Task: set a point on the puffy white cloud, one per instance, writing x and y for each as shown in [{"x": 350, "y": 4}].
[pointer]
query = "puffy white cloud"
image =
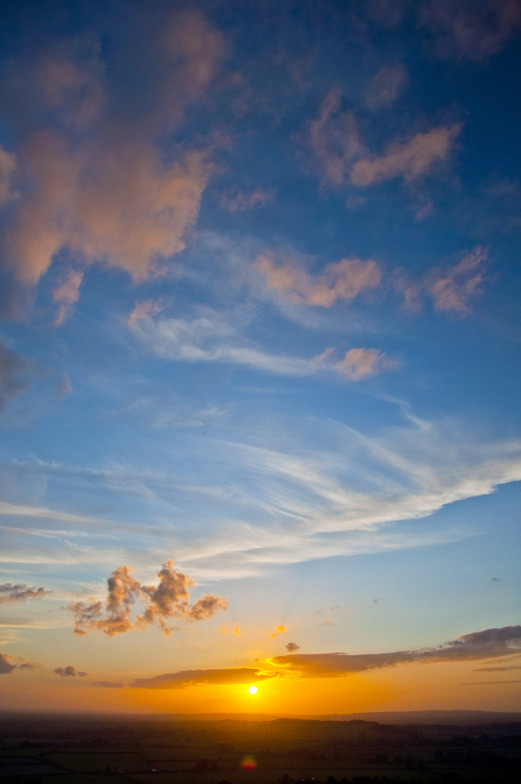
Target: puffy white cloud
[{"x": 170, "y": 598}]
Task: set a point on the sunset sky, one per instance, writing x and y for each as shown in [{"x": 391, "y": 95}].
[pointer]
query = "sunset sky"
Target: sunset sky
[{"x": 260, "y": 355}]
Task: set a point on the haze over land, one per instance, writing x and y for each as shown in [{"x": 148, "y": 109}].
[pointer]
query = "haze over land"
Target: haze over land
[{"x": 259, "y": 356}]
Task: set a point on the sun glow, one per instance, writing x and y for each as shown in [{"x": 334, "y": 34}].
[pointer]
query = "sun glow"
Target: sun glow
[{"x": 253, "y": 690}]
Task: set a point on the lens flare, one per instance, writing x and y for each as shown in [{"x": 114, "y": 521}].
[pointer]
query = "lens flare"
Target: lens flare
[{"x": 248, "y": 763}]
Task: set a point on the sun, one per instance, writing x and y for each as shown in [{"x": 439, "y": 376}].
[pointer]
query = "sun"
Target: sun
[{"x": 253, "y": 690}]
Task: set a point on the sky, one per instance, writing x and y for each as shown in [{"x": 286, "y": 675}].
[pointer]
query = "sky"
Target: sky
[{"x": 259, "y": 356}]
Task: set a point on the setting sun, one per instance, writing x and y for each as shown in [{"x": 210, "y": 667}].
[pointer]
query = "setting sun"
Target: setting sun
[{"x": 253, "y": 690}]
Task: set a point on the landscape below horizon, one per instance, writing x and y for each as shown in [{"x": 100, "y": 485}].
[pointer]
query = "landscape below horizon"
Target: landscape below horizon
[
  {"x": 160, "y": 750},
  {"x": 260, "y": 370}
]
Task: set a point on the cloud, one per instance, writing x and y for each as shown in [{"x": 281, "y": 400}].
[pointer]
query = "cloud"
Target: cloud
[
  {"x": 278, "y": 630},
  {"x": 342, "y": 280},
  {"x": 14, "y": 378},
  {"x": 291, "y": 647},
  {"x": 235, "y": 629},
  {"x": 485, "y": 644},
  {"x": 490, "y": 683},
  {"x": 20, "y": 592},
  {"x": 124, "y": 209},
  {"x": 239, "y": 200},
  {"x": 101, "y": 184},
  {"x": 218, "y": 677},
  {"x": 5, "y": 665},
  {"x": 29, "y": 665},
  {"x": 334, "y": 139},
  {"x": 409, "y": 160},
  {"x": 361, "y": 494},
  {"x": 342, "y": 156},
  {"x": 452, "y": 290},
  {"x": 470, "y": 30},
  {"x": 212, "y": 338},
  {"x": 67, "y": 293},
  {"x": 386, "y": 86},
  {"x": 498, "y": 669},
  {"x": 145, "y": 310},
  {"x": 7, "y": 168},
  {"x": 170, "y": 598},
  {"x": 360, "y": 363},
  {"x": 109, "y": 684},
  {"x": 69, "y": 672}
]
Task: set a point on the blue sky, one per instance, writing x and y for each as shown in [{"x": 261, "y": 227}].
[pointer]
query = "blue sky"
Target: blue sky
[{"x": 260, "y": 317}]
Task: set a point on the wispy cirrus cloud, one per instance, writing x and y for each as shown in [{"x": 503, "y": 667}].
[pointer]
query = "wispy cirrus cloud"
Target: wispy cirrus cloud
[
  {"x": 211, "y": 337},
  {"x": 277, "y": 506}
]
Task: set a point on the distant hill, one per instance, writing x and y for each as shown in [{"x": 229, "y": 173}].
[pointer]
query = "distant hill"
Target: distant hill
[
  {"x": 427, "y": 717},
  {"x": 456, "y": 717}
]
